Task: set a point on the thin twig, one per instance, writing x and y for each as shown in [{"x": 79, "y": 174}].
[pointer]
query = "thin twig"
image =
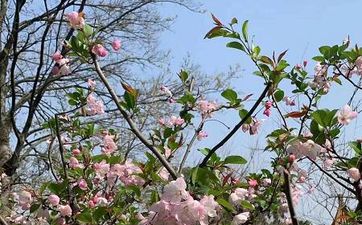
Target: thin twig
[{"x": 130, "y": 122}]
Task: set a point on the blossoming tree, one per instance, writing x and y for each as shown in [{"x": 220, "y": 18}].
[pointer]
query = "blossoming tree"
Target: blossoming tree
[{"x": 94, "y": 183}]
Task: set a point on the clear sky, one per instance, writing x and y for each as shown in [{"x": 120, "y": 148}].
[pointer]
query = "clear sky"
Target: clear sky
[{"x": 299, "y": 26}]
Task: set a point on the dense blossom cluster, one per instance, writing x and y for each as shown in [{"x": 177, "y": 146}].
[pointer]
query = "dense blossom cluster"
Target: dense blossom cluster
[{"x": 178, "y": 207}]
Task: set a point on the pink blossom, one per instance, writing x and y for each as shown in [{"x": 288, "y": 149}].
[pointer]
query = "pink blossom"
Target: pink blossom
[
  {"x": 82, "y": 184},
  {"x": 201, "y": 135},
  {"x": 175, "y": 191},
  {"x": 266, "y": 181},
  {"x": 91, "y": 83},
  {"x": 57, "y": 56},
  {"x": 76, "y": 20},
  {"x": 65, "y": 210},
  {"x": 162, "y": 121},
  {"x": 74, "y": 163},
  {"x": 238, "y": 195},
  {"x": 25, "y": 199},
  {"x": 109, "y": 146},
  {"x": 53, "y": 200},
  {"x": 99, "y": 50},
  {"x": 253, "y": 182},
  {"x": 95, "y": 107},
  {"x": 206, "y": 108},
  {"x": 288, "y": 101},
  {"x": 354, "y": 174},
  {"x": 267, "y": 112},
  {"x": 210, "y": 205},
  {"x": 116, "y": 44},
  {"x": 328, "y": 162},
  {"x": 61, "y": 68},
  {"x": 345, "y": 115},
  {"x": 166, "y": 91},
  {"x": 128, "y": 173},
  {"x": 164, "y": 174},
  {"x": 308, "y": 148},
  {"x": 168, "y": 151},
  {"x": 176, "y": 121},
  {"x": 101, "y": 168},
  {"x": 241, "y": 218},
  {"x": 254, "y": 126},
  {"x": 76, "y": 152}
]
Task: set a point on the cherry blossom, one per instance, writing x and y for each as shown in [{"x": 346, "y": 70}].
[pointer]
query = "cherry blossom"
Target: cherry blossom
[
  {"x": 116, "y": 44},
  {"x": 76, "y": 20},
  {"x": 345, "y": 115},
  {"x": 53, "y": 200},
  {"x": 99, "y": 50}
]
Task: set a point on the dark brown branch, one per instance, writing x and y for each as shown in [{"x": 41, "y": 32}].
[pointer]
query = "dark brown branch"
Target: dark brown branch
[{"x": 237, "y": 127}]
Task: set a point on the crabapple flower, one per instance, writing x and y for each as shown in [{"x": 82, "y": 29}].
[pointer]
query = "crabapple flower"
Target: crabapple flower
[
  {"x": 91, "y": 83},
  {"x": 241, "y": 218},
  {"x": 175, "y": 191},
  {"x": 57, "y": 56},
  {"x": 109, "y": 146},
  {"x": 53, "y": 200},
  {"x": 354, "y": 174},
  {"x": 116, "y": 44},
  {"x": 238, "y": 195},
  {"x": 76, "y": 20},
  {"x": 166, "y": 91},
  {"x": 82, "y": 184},
  {"x": 346, "y": 114},
  {"x": 288, "y": 101},
  {"x": 74, "y": 163},
  {"x": 253, "y": 127},
  {"x": 320, "y": 80},
  {"x": 101, "y": 168},
  {"x": 206, "y": 108},
  {"x": 176, "y": 121},
  {"x": 308, "y": 148},
  {"x": 61, "y": 67},
  {"x": 65, "y": 210},
  {"x": 25, "y": 199},
  {"x": 164, "y": 174},
  {"x": 99, "y": 50},
  {"x": 253, "y": 183},
  {"x": 201, "y": 135},
  {"x": 95, "y": 107},
  {"x": 76, "y": 152},
  {"x": 128, "y": 173}
]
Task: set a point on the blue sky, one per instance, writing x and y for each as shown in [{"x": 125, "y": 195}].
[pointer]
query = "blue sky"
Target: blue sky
[{"x": 299, "y": 26}]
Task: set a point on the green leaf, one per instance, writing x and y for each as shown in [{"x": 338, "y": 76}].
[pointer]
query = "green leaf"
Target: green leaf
[
  {"x": 356, "y": 146},
  {"x": 154, "y": 197},
  {"x": 236, "y": 45},
  {"x": 234, "y": 21},
  {"x": 243, "y": 113},
  {"x": 85, "y": 217},
  {"x": 87, "y": 30},
  {"x": 230, "y": 95},
  {"x": 224, "y": 203},
  {"x": 279, "y": 95},
  {"x": 318, "y": 58},
  {"x": 247, "y": 205},
  {"x": 235, "y": 159},
  {"x": 99, "y": 213},
  {"x": 183, "y": 76},
  {"x": 34, "y": 207},
  {"x": 245, "y": 30},
  {"x": 325, "y": 51},
  {"x": 130, "y": 100}
]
